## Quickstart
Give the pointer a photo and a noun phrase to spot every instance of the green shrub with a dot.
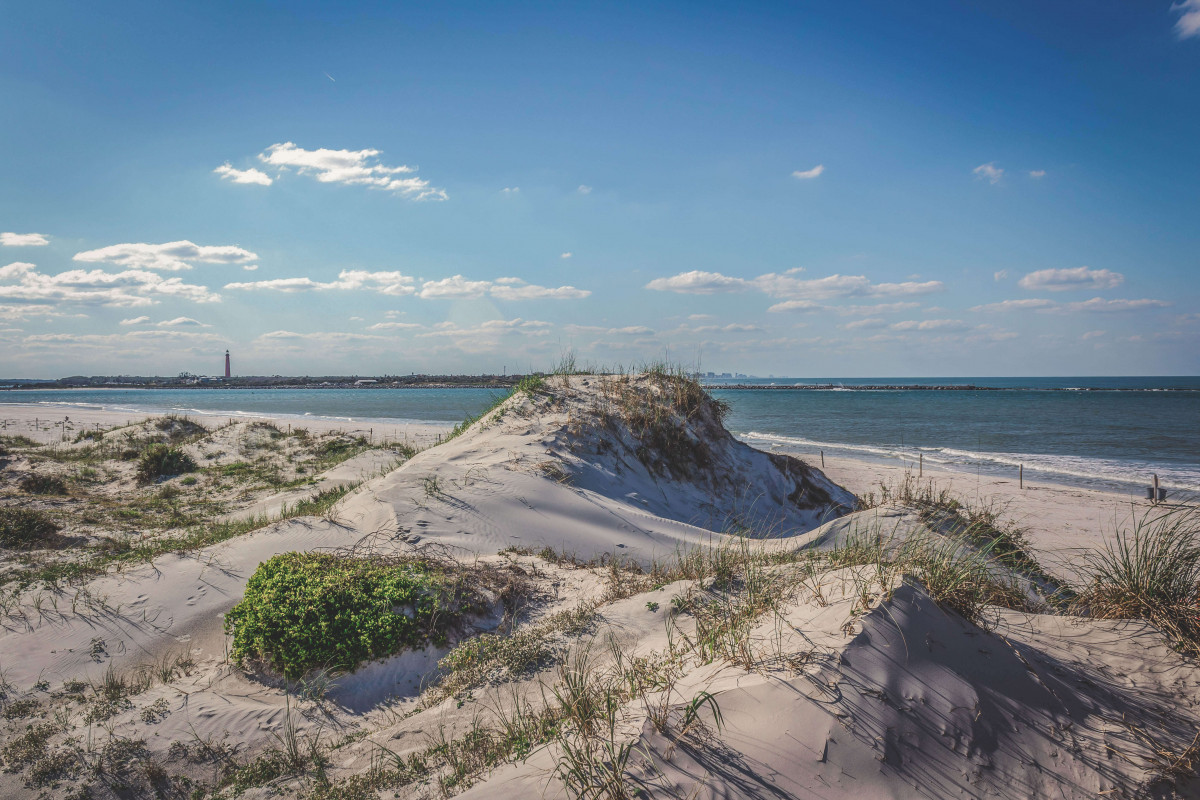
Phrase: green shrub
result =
(43, 484)
(304, 611)
(25, 527)
(160, 461)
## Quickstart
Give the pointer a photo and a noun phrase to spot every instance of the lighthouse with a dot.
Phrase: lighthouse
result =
(226, 363)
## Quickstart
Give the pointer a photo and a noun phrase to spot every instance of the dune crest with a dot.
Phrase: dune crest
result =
(636, 465)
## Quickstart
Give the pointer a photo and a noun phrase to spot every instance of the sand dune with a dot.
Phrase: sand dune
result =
(847, 680)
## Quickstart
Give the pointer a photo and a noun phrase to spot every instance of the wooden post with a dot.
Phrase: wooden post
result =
(1022, 476)
(1154, 500)
(921, 467)
(822, 459)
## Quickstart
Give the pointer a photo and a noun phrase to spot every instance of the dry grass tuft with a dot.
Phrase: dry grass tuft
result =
(1150, 572)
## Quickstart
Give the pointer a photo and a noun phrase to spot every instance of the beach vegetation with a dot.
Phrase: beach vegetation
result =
(162, 461)
(307, 611)
(24, 528)
(1150, 571)
(37, 483)
(980, 524)
(18, 442)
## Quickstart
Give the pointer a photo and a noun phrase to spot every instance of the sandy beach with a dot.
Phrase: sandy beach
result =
(596, 528)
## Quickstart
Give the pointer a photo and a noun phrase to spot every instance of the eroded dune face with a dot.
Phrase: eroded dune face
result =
(634, 465)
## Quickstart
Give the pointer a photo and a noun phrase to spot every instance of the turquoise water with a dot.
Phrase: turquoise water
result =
(1100, 432)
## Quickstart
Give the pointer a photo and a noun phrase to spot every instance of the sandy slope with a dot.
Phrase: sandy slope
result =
(904, 700)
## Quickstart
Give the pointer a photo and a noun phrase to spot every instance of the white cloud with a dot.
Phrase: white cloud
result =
(399, 285)
(1037, 173)
(802, 306)
(516, 289)
(866, 324)
(182, 322)
(931, 325)
(1014, 305)
(28, 310)
(1101, 305)
(1000, 275)
(168, 257)
(566, 255)
(228, 172)
(282, 285)
(386, 282)
(454, 288)
(293, 338)
(733, 327)
(24, 239)
(699, 316)
(698, 282)
(989, 172)
(394, 326)
(134, 321)
(584, 189)
(250, 267)
(840, 286)
(22, 283)
(486, 336)
(352, 167)
(511, 190)
(136, 342)
(878, 308)
(808, 174)
(1092, 335)
(1061, 280)
(1188, 24)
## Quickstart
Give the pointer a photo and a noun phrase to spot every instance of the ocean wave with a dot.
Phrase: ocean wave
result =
(1057, 467)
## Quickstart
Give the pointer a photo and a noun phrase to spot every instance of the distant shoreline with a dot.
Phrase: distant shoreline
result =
(509, 381)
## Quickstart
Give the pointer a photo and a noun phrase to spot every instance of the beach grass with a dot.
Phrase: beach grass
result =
(1150, 571)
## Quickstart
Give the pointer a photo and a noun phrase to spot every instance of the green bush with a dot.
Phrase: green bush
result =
(304, 611)
(43, 484)
(160, 461)
(24, 527)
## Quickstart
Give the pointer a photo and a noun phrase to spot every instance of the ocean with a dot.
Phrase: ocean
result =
(1109, 433)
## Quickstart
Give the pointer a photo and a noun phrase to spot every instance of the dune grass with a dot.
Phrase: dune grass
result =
(1150, 571)
(25, 528)
(162, 461)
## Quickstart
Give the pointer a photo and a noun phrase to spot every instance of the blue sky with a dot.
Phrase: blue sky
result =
(812, 189)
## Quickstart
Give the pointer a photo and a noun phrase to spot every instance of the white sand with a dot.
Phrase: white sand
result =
(1060, 521)
(60, 424)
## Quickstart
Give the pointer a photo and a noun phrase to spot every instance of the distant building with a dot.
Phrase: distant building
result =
(226, 363)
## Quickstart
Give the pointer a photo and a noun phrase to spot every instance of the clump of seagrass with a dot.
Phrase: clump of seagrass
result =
(1150, 572)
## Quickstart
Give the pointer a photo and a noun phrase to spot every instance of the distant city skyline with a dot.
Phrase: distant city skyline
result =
(857, 190)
